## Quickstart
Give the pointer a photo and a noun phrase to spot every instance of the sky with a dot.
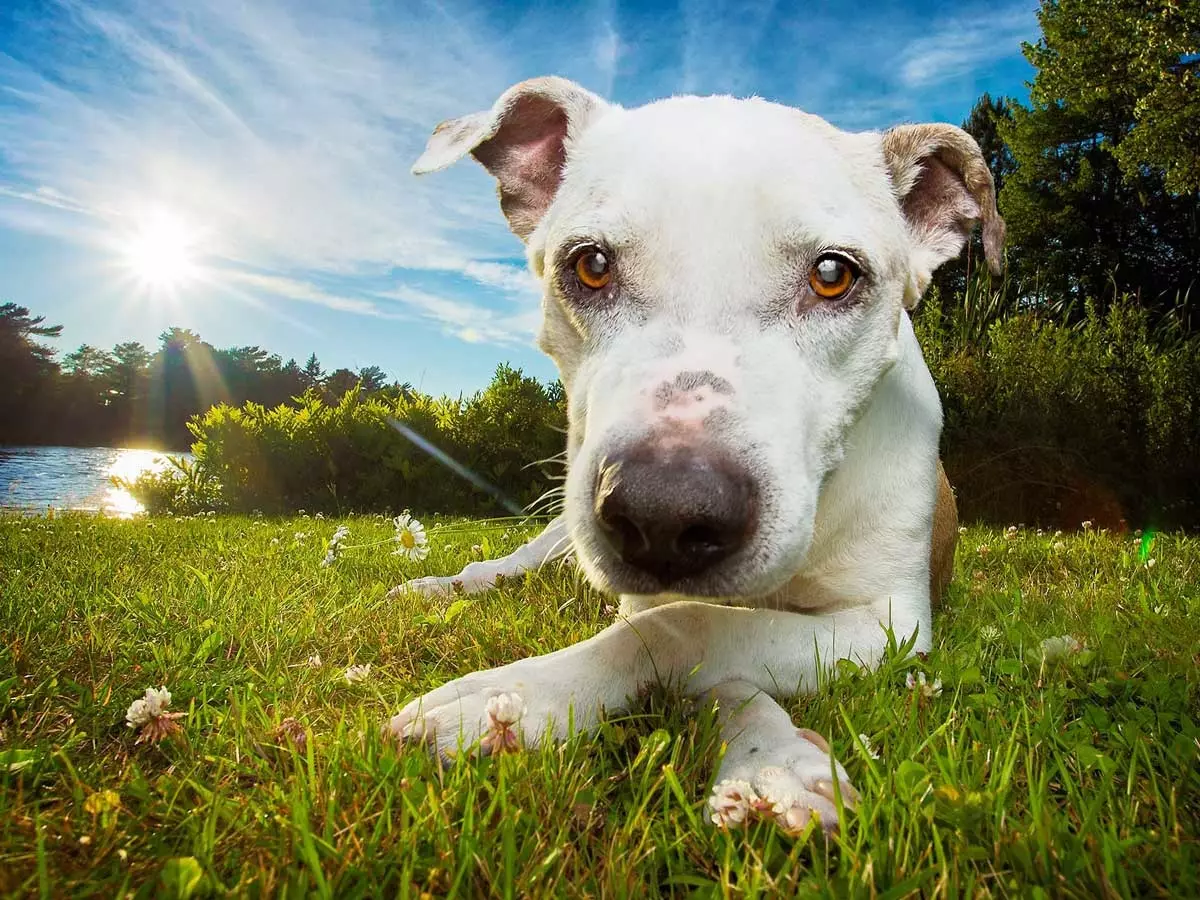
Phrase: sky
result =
(242, 168)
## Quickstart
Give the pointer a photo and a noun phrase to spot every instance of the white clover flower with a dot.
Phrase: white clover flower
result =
(274, 542)
(1054, 649)
(923, 687)
(962, 529)
(149, 715)
(1010, 533)
(1087, 524)
(335, 546)
(1058, 546)
(989, 633)
(358, 674)
(410, 538)
(301, 535)
(314, 661)
(1058, 533)
(868, 746)
(504, 711)
(319, 516)
(1151, 563)
(731, 803)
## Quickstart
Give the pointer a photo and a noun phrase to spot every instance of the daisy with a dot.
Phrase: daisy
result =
(149, 715)
(410, 537)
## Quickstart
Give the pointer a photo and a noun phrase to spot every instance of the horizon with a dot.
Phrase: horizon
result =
(244, 173)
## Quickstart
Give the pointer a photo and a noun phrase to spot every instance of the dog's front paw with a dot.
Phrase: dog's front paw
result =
(788, 784)
(521, 704)
(475, 577)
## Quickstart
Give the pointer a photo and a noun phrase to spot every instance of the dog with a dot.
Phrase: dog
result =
(753, 460)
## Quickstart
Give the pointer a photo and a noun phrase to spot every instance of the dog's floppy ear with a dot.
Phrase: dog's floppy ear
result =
(522, 140)
(944, 187)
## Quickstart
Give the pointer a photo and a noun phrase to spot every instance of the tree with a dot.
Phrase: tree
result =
(1101, 200)
(312, 373)
(86, 362)
(29, 371)
(339, 383)
(373, 379)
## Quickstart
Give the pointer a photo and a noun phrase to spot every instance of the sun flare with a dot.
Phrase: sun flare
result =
(161, 252)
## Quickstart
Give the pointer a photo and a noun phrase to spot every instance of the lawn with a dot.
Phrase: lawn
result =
(1076, 775)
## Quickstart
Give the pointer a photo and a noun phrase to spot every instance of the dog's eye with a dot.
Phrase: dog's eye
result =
(831, 277)
(593, 270)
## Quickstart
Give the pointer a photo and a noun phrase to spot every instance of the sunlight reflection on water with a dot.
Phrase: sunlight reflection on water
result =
(36, 478)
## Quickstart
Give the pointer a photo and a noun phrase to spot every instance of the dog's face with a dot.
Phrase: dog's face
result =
(724, 281)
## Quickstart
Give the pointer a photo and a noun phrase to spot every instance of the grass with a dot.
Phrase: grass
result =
(1075, 778)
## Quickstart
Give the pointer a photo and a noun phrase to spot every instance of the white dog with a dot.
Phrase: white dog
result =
(753, 446)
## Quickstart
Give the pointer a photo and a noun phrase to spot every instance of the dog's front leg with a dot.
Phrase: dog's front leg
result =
(552, 543)
(694, 645)
(771, 768)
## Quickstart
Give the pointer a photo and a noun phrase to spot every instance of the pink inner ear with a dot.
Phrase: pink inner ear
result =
(940, 207)
(526, 155)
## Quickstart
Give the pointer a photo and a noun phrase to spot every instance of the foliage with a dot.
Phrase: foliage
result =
(185, 488)
(347, 456)
(1104, 198)
(1024, 778)
(1055, 423)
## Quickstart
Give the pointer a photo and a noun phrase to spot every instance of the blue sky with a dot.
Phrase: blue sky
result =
(276, 139)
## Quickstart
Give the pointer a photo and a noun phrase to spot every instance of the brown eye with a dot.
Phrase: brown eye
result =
(592, 269)
(831, 277)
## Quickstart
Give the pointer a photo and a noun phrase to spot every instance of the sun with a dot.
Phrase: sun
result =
(160, 252)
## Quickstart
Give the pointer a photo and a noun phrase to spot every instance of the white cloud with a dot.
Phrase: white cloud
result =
(960, 46)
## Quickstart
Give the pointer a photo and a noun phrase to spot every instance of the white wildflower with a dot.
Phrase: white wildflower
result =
(504, 711)
(149, 715)
(410, 537)
(314, 661)
(1054, 649)
(962, 529)
(1151, 563)
(1058, 546)
(989, 633)
(358, 674)
(1010, 533)
(301, 535)
(1058, 533)
(319, 516)
(274, 542)
(868, 746)
(335, 546)
(923, 687)
(1087, 524)
(731, 803)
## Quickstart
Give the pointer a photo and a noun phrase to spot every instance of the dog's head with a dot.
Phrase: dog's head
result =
(724, 281)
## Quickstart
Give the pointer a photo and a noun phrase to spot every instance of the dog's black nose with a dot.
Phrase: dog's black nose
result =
(674, 513)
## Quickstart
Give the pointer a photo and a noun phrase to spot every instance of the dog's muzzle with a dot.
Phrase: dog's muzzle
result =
(674, 512)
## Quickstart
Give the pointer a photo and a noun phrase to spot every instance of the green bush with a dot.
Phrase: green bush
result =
(348, 457)
(1054, 423)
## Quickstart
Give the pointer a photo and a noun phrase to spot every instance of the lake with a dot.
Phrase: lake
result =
(36, 478)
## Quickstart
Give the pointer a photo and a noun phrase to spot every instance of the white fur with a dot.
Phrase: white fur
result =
(715, 209)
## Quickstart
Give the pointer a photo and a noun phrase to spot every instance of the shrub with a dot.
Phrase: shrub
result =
(347, 457)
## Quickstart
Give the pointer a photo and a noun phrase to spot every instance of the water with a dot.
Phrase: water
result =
(37, 478)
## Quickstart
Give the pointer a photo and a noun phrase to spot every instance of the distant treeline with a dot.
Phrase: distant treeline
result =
(1071, 384)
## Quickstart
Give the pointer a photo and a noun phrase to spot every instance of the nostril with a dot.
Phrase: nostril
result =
(630, 538)
(701, 538)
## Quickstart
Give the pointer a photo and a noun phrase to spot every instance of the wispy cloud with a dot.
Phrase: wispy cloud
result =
(959, 46)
